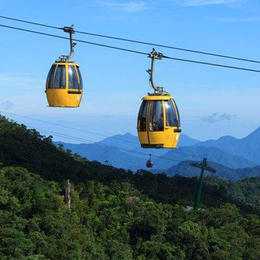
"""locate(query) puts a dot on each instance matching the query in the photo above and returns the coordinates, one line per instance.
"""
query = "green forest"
(115, 214)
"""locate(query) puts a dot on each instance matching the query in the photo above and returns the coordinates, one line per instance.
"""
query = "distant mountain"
(108, 155)
(194, 153)
(185, 140)
(128, 144)
(184, 169)
(249, 172)
(124, 151)
(126, 141)
(129, 141)
(247, 147)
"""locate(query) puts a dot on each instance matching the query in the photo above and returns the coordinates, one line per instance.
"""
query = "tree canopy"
(115, 214)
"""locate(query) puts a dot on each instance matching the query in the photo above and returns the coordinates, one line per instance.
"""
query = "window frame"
(171, 111)
(74, 74)
(80, 82)
(50, 77)
(62, 76)
(143, 108)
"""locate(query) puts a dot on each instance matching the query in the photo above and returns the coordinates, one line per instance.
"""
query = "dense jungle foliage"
(246, 191)
(114, 214)
(114, 222)
(26, 148)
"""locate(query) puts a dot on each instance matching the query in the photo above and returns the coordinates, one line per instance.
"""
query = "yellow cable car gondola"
(158, 122)
(64, 86)
(149, 163)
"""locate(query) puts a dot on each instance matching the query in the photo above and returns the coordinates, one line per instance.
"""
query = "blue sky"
(212, 101)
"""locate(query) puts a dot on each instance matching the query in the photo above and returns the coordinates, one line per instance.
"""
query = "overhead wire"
(84, 140)
(133, 51)
(29, 22)
(70, 127)
(137, 41)
(76, 40)
(105, 145)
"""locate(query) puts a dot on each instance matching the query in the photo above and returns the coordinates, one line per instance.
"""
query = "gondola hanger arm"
(154, 55)
(71, 31)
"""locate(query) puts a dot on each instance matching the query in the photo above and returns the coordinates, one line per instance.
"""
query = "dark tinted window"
(142, 116)
(49, 82)
(60, 77)
(80, 79)
(73, 78)
(156, 116)
(171, 114)
(177, 112)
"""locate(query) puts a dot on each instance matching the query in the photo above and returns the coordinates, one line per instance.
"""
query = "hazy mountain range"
(248, 147)
(227, 154)
(184, 169)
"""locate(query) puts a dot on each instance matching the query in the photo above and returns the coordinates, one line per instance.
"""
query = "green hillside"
(26, 148)
(114, 222)
(114, 214)
(247, 191)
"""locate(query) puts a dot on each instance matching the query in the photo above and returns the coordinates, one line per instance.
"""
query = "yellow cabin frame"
(168, 137)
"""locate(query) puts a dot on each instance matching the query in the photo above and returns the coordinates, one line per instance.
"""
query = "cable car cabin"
(158, 122)
(149, 164)
(64, 87)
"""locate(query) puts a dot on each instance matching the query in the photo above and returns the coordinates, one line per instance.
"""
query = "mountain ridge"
(247, 147)
(124, 151)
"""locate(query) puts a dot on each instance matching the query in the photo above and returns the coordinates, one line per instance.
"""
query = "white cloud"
(6, 104)
(210, 2)
(128, 6)
(215, 117)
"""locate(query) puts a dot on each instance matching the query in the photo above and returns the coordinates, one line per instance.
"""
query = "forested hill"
(114, 214)
(114, 223)
(26, 148)
(23, 147)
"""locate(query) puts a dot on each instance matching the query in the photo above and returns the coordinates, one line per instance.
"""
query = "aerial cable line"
(211, 64)
(69, 127)
(75, 40)
(133, 51)
(29, 22)
(138, 42)
(59, 134)
(84, 140)
(104, 145)
(171, 47)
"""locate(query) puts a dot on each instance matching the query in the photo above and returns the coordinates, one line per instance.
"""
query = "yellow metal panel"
(67, 63)
(159, 139)
(143, 137)
(64, 97)
(61, 98)
(155, 97)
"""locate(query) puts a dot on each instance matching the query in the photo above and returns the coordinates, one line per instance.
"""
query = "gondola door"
(142, 123)
(171, 124)
(156, 135)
